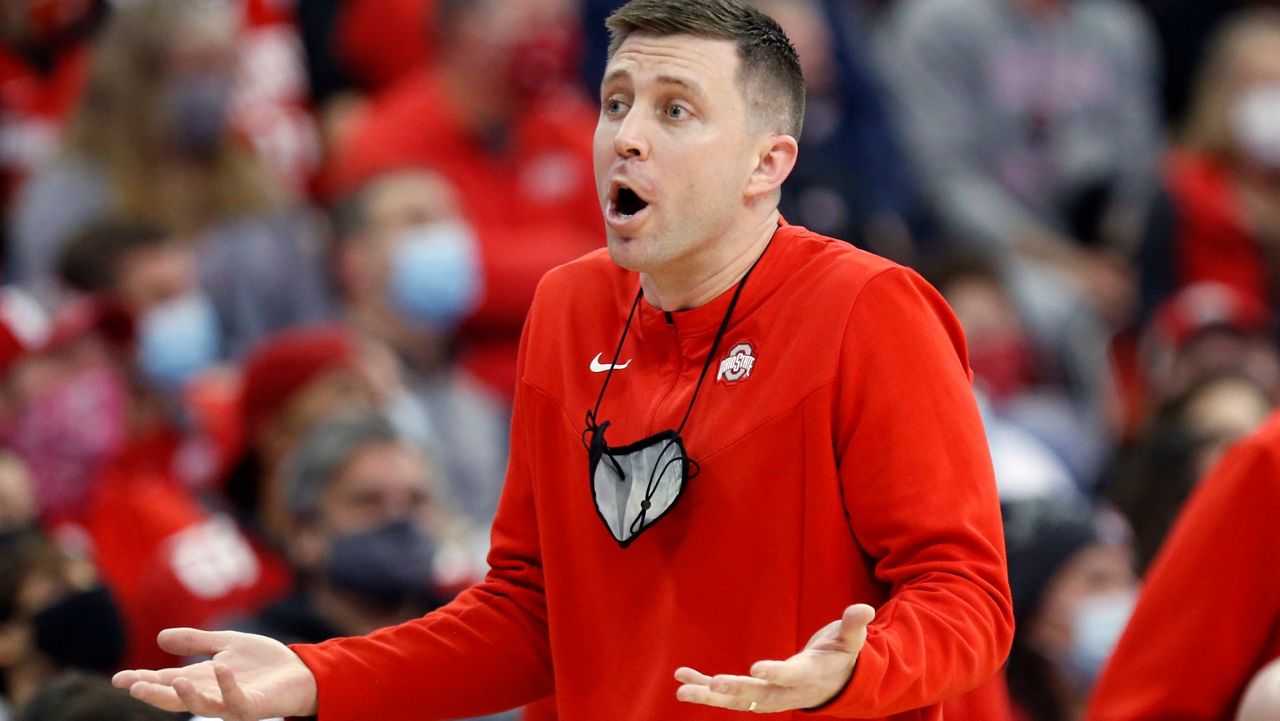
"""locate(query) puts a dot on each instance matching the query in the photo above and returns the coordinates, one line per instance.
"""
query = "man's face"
(673, 149)
(383, 482)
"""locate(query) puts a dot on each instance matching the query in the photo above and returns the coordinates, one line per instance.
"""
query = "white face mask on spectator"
(1096, 627)
(1255, 124)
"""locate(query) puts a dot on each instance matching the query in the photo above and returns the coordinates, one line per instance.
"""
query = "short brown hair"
(768, 69)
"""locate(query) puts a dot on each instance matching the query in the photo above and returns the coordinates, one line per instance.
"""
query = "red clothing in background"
(382, 41)
(169, 560)
(1208, 618)
(530, 197)
(1212, 239)
(849, 465)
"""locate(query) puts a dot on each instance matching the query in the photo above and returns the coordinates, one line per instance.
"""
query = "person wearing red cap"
(290, 382)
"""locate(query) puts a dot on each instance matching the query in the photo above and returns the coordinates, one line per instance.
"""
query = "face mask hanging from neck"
(636, 484)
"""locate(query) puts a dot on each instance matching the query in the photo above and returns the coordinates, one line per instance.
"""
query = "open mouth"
(626, 202)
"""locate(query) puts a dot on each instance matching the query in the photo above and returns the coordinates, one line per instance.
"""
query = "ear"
(775, 159)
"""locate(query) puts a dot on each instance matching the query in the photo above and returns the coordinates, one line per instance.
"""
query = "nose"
(631, 140)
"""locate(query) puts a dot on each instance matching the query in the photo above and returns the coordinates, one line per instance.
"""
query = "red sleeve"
(921, 500)
(486, 651)
(1206, 619)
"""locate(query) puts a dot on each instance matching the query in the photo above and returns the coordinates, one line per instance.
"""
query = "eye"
(676, 111)
(615, 106)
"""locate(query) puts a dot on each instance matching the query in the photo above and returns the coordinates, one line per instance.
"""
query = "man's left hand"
(808, 679)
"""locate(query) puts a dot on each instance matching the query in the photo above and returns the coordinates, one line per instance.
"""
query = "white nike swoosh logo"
(598, 367)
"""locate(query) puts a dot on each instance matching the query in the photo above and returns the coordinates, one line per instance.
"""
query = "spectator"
(152, 141)
(367, 535)
(103, 446)
(392, 262)
(77, 697)
(1208, 618)
(292, 382)
(1220, 218)
(1039, 439)
(1073, 590)
(1206, 330)
(1033, 124)
(1186, 437)
(54, 615)
(498, 118)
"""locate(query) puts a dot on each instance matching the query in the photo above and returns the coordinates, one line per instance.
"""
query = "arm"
(486, 651)
(1209, 604)
(921, 500)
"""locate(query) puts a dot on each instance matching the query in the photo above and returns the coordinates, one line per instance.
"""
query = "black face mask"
(83, 630)
(388, 565)
(637, 484)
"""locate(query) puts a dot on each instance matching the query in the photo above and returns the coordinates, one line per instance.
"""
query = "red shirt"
(1213, 242)
(169, 560)
(1208, 618)
(848, 465)
(532, 203)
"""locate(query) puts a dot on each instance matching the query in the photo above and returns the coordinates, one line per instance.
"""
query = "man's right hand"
(248, 679)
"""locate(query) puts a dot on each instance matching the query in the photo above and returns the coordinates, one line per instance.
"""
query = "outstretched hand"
(249, 677)
(808, 679)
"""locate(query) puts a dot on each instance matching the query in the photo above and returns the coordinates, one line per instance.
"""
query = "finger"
(786, 674)
(232, 695)
(853, 625)
(743, 687)
(196, 701)
(158, 695)
(696, 693)
(684, 674)
(193, 641)
(128, 678)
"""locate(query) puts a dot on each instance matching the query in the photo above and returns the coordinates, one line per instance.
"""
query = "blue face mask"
(435, 275)
(177, 339)
(1096, 628)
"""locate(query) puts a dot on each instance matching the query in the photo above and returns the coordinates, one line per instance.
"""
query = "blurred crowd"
(265, 264)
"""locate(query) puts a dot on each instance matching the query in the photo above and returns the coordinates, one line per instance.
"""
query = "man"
(363, 533)
(821, 448)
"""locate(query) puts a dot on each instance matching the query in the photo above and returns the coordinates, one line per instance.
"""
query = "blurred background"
(265, 263)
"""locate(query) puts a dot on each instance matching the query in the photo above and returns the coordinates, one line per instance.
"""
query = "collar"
(706, 318)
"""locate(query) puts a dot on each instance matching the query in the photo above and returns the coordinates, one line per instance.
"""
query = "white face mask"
(1096, 628)
(1255, 123)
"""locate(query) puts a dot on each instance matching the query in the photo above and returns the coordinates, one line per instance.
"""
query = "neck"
(706, 277)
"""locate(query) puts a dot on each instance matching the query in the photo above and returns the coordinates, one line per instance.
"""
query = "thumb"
(853, 626)
(193, 641)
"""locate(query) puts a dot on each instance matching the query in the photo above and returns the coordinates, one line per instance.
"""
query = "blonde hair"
(120, 124)
(1245, 36)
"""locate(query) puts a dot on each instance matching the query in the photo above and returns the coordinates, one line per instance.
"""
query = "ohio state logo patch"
(737, 365)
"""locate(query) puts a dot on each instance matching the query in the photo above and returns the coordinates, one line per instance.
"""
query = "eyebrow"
(688, 84)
